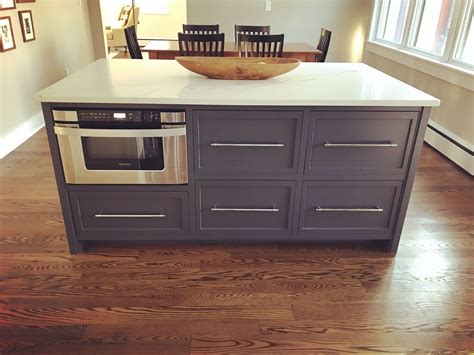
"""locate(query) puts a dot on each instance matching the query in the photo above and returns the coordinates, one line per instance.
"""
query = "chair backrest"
(261, 45)
(201, 29)
(323, 44)
(132, 43)
(208, 45)
(250, 30)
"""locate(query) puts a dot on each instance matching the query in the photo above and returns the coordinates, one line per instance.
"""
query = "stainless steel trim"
(68, 116)
(222, 209)
(374, 209)
(100, 215)
(68, 125)
(120, 133)
(75, 171)
(335, 145)
(173, 117)
(261, 145)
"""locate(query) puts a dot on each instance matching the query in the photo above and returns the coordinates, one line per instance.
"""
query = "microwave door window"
(121, 154)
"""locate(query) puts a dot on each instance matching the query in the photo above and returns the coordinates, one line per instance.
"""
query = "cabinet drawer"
(132, 215)
(360, 142)
(247, 142)
(245, 209)
(349, 209)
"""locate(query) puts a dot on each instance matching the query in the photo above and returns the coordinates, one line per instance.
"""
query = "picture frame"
(7, 39)
(7, 4)
(26, 25)
(24, 1)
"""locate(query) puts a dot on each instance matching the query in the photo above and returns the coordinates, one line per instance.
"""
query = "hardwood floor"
(218, 298)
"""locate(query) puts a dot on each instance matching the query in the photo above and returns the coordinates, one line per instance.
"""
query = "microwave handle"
(119, 133)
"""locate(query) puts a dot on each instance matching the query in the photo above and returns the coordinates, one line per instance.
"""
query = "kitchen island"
(327, 152)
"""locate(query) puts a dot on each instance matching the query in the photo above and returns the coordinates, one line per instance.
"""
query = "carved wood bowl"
(234, 68)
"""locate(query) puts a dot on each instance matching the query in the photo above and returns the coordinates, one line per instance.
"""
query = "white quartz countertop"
(167, 82)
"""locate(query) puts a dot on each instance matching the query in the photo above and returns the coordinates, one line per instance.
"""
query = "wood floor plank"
(235, 298)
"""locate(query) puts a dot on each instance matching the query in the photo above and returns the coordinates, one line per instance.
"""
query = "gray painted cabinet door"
(129, 215)
(360, 142)
(349, 209)
(247, 142)
(247, 209)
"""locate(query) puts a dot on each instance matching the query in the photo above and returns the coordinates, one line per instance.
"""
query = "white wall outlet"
(67, 72)
(268, 5)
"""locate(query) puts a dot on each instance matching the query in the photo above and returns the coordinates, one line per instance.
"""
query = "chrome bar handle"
(359, 145)
(119, 133)
(362, 209)
(223, 209)
(100, 215)
(257, 145)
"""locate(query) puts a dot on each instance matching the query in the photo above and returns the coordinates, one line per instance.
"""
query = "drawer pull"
(360, 145)
(257, 145)
(221, 209)
(100, 215)
(374, 209)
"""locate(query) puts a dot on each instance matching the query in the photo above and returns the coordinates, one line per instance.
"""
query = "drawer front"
(349, 209)
(245, 209)
(360, 142)
(247, 142)
(131, 215)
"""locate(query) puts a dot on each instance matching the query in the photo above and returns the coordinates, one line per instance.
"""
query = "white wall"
(63, 42)
(299, 20)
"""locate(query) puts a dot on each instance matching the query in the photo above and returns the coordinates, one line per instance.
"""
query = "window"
(431, 26)
(394, 14)
(438, 29)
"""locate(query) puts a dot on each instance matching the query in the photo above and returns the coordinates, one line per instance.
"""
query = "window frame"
(457, 25)
(465, 21)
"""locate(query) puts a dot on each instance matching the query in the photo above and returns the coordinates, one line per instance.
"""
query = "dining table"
(169, 49)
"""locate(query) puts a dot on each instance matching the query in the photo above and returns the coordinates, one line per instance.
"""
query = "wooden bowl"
(234, 68)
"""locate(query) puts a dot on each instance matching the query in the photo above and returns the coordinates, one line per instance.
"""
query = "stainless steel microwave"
(108, 146)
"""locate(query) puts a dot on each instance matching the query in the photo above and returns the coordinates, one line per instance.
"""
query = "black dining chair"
(323, 45)
(261, 45)
(250, 30)
(201, 29)
(208, 45)
(132, 43)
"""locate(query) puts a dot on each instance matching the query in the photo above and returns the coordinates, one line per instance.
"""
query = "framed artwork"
(26, 24)
(7, 41)
(23, 1)
(7, 4)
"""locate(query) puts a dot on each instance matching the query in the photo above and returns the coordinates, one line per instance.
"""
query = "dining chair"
(250, 30)
(261, 45)
(132, 43)
(201, 29)
(323, 45)
(207, 45)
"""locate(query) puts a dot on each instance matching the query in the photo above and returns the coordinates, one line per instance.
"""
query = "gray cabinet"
(244, 209)
(263, 174)
(132, 215)
(247, 142)
(360, 142)
(338, 210)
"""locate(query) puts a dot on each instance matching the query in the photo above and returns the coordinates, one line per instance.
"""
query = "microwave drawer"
(349, 209)
(360, 142)
(245, 209)
(247, 142)
(133, 215)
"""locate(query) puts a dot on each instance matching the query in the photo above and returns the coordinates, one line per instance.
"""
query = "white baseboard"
(452, 151)
(20, 134)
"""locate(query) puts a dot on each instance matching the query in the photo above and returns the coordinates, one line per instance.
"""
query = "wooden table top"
(172, 46)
